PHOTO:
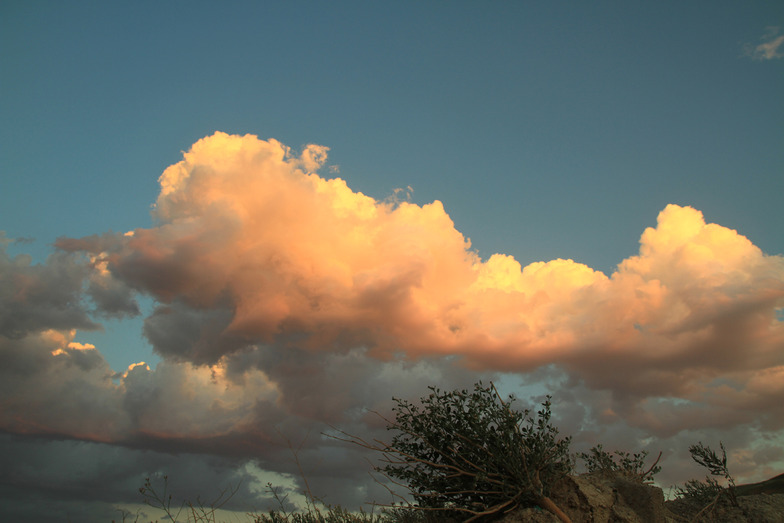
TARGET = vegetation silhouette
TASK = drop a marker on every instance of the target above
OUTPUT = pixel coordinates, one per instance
(469, 456)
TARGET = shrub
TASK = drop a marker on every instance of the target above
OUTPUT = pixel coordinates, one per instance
(471, 453)
(708, 492)
(717, 466)
(599, 461)
(701, 492)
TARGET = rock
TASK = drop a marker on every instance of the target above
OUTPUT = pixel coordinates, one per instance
(601, 499)
(757, 508)
(594, 498)
(645, 501)
(763, 508)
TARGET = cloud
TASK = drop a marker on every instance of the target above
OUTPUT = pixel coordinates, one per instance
(53, 386)
(252, 247)
(40, 297)
(287, 302)
(771, 47)
(112, 297)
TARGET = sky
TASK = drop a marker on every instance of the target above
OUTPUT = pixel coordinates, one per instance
(231, 227)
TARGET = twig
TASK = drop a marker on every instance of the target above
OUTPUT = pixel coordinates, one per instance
(710, 506)
(310, 498)
(642, 476)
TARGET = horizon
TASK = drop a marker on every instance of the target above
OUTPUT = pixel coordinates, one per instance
(225, 229)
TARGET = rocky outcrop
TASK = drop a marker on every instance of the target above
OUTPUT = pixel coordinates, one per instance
(605, 499)
(601, 499)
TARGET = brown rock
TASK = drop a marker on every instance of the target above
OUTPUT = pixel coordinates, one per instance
(757, 508)
(763, 508)
(601, 499)
(607, 499)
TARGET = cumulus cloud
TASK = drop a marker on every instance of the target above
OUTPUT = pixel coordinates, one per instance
(253, 247)
(769, 49)
(287, 302)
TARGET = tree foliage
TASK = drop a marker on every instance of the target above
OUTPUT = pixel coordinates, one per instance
(471, 453)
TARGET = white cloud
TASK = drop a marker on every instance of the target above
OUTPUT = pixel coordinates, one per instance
(770, 48)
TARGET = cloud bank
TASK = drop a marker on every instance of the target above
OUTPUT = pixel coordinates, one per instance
(287, 301)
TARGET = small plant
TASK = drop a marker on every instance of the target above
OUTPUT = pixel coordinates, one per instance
(332, 514)
(599, 461)
(328, 513)
(125, 514)
(471, 453)
(706, 457)
(708, 492)
(196, 512)
(701, 492)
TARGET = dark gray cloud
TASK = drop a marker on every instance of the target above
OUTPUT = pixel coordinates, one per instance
(200, 335)
(35, 297)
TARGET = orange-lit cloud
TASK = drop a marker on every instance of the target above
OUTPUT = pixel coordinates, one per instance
(255, 247)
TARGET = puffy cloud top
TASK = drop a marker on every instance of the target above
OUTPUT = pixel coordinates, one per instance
(256, 247)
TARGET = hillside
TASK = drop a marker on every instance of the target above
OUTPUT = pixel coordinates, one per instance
(773, 485)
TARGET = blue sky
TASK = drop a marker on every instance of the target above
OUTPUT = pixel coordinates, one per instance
(547, 130)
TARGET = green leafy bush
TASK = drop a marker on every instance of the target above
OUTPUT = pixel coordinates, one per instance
(471, 453)
(599, 461)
